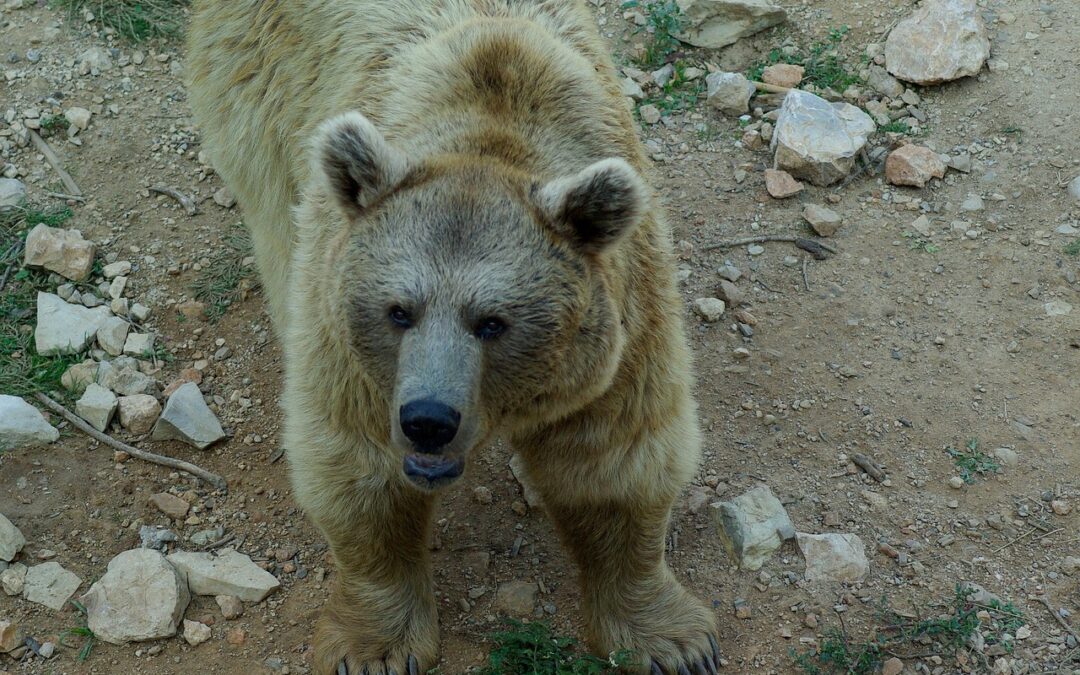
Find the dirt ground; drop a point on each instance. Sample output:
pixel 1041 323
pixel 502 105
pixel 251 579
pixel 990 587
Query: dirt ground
pixel 883 349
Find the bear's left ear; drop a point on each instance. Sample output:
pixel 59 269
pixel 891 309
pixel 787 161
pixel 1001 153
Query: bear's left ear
pixel 597 206
pixel 359 166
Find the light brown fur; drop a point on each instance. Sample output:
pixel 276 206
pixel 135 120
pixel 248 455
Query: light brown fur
pixel 486 100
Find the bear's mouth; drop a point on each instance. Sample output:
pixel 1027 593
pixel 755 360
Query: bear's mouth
pixel 431 471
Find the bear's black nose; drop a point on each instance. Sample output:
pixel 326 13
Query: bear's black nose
pixel 429 424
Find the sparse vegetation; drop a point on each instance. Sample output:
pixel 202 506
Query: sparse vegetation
pixel 895 127
pixel 1073 248
pixel 664 20
pixel 83 631
pixel 54 125
pixel 530 649
pixel 945 635
pixel 917 243
pixel 136 20
pixel 971 462
pixel 226 279
pixel 679 93
pixel 823 64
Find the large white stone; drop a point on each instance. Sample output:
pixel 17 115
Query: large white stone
pixel 833 557
pixel 12 193
pixel 97 406
pixel 140 597
pixel 752 526
pixel 50 584
pixel 729 92
pixel 23 425
pixel 11 539
pixel 62 251
pixel 942 40
pixel 719 23
pixel 816 140
pixel 187 418
pixel 63 328
pixel 230 573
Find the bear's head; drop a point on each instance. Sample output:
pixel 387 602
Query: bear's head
pixel 477 294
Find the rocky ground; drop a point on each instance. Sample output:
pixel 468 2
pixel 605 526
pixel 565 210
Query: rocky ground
pixel 892 428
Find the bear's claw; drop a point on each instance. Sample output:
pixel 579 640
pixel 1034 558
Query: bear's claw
pixel 708 665
pixel 413 666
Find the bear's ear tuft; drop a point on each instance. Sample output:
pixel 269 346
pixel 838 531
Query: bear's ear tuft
pixel 598 205
pixel 358 164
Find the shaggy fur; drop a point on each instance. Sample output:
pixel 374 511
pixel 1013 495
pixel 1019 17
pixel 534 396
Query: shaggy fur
pixel 459 158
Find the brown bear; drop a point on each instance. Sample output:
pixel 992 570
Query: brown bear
pixel 455 239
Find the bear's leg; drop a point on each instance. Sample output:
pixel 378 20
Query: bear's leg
pixel 615 532
pixel 381 615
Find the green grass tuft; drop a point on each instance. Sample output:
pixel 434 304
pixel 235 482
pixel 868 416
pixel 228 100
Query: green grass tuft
pixel 83 631
pixel 971 462
pixel 226 279
pixel 679 93
pixel 664 19
pixel 823 65
pixel 1072 248
pixel 530 649
pixel 135 20
pixel 54 125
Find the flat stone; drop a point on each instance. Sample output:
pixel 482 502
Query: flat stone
pixel 140 597
pixel 913 165
pixel 120 268
pixel 231 606
pixel 96 60
pixel 733 295
pixel 881 81
pixel 942 40
pixel 816 140
pixel 50 584
pixel 781 185
pixel 752 526
pixel 195 632
pixel 125 380
pixel 729 92
pixel 893 666
pixel 139 412
pixel 230 573
pixel 76 378
pixel 117 288
pixel 972 203
pixel 170 505
pixel 112 335
pixel 64 328
pixel 719 23
pixel 79 117
pixel 224 198
pixel 13 579
pixel 12 636
pixel 22 425
pixel 11 538
pixel 187 418
pixel 833 557
pixel 709 309
pixel 62 251
pixel 783 75
pixel 156 538
pixel 12 193
pixel 1057 308
pixel 824 220
pixel 138 344
pixel 97 406
pixel 649 114
pixel 516 598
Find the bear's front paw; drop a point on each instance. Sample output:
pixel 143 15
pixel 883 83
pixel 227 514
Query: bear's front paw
pixel 350 641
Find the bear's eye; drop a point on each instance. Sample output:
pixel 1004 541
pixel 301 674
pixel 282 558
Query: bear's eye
pixel 400 316
pixel 490 328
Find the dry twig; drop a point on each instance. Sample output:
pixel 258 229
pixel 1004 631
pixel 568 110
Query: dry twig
pixel 187 202
pixel 179 464
pixel 812 246
pixel 54 162
pixel 61 195
pixel 1059 619
pixel 805 278
pixel 869 466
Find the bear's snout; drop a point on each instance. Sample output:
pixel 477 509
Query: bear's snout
pixel 429 424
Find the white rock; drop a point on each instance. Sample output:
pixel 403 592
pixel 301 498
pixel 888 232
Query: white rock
pixel 12 193
pixel 97 406
pixel 719 23
pixel 13 579
pixel 729 92
pixel 631 89
pixel 1074 189
pixel 196 633
pixel 50 584
pixel 224 198
pixel 112 334
pixel 139 412
pixel 752 526
pixel 187 418
pixel 96 59
pixel 972 203
pixel 116 288
pixel 140 597
pixel 833 557
pixel 1057 308
pixel 824 220
pixel 63 328
pixel 709 309
pixel 23 425
pixel 120 268
pixel 942 40
pixel 138 344
pixel 230 573
pixel 11 539
pixel 79 117
pixel 62 251
pixel 816 140
pixel 140 312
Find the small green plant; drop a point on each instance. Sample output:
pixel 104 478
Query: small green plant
pixel 971 462
pixel 530 649
pixel 917 243
pixel 895 127
pixel 1072 248
pixel 1014 131
pixel 663 20
pixel 679 93
pixel 51 217
pixel 822 65
pixel 899 636
pixel 82 631
pixel 136 20
pixel 226 279
pixel 52 125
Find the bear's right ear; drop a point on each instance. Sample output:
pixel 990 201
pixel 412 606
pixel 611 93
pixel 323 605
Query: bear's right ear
pixel 358 164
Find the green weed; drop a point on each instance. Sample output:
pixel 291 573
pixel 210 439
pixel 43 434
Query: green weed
pixel 679 93
pixel 82 631
pixel 136 20
pixel 53 125
pixel 917 243
pixel 226 279
pixel 664 20
pixel 972 462
pixel 823 65
pixel 895 127
pixel 530 649
pixel 1072 248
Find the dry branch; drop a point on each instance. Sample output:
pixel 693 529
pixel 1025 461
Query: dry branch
pixel 54 162
pixel 187 202
pixel 869 466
